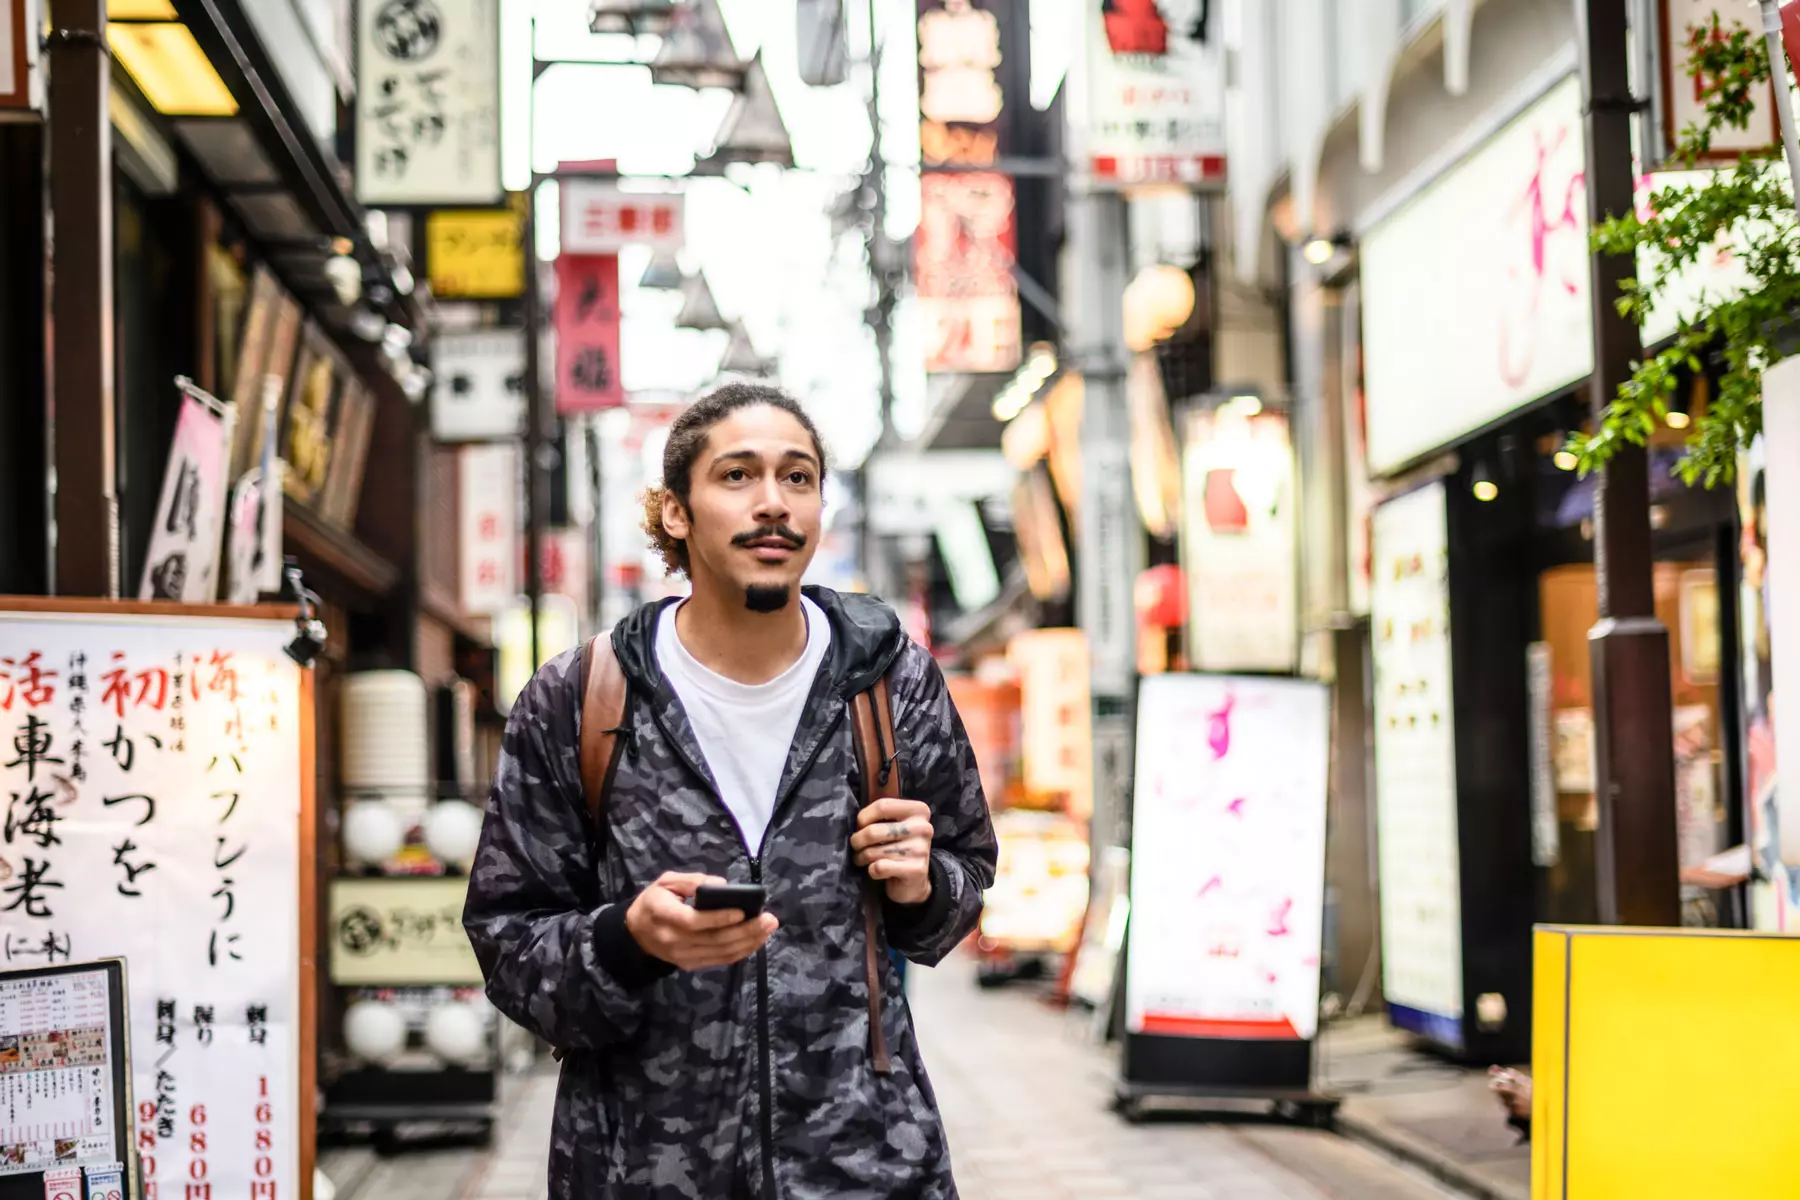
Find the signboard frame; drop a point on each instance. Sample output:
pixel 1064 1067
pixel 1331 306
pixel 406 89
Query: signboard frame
pixel 306 1011
pixel 22 98
pixel 29 1185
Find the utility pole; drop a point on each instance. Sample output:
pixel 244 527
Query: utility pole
pixel 537 483
pixel 1638 865
pixel 880 315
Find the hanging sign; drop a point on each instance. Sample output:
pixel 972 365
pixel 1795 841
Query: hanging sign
pixel 962 267
pixel 183 560
pixel 479 389
pixel 1155 110
pixel 598 218
pixel 587 333
pixel 488 538
pixel 1684 96
pixel 21 86
pixel 399 931
pixel 428 102
pixel 160 787
pixel 1239 543
pixel 960 97
pixel 253 546
pixel 478 254
pixel 1228 858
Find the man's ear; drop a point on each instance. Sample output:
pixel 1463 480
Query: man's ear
pixel 675 520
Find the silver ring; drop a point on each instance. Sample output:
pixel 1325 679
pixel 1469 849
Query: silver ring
pixel 897 831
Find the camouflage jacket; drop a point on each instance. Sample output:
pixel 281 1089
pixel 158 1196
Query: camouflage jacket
pixel 746 1081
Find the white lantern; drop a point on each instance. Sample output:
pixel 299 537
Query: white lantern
pixel 453 831
pixel 457 1033
pixel 373 832
pixel 375 1031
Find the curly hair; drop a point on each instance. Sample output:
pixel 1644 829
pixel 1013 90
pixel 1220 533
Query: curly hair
pixel 687 437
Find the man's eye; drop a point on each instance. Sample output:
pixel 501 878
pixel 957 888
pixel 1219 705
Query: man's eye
pixel 799 477
pixel 735 475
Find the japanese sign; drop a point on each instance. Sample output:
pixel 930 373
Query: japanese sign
pixel 153 779
pixel 598 218
pixel 962 260
pixel 476 255
pixel 428 102
pixel 1228 858
pixel 1684 95
pixel 479 394
pixel 488 540
pixel 62 1061
pixel 20 86
pixel 183 560
pixel 959 92
pixel 587 333
pixel 1155 89
pixel 390 932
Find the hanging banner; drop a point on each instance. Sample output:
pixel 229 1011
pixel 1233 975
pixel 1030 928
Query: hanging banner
pixel 479 391
pixel 587 333
pixel 1155 103
pixel 960 97
pixel 488 480
pixel 1055 715
pixel 20 81
pixel 183 559
pixel 1228 858
pixel 253 547
pixel 1239 542
pixel 1415 767
pixel 428 103
pixel 598 218
pixel 1684 96
pixel 478 254
pixel 159 793
pixel 962 268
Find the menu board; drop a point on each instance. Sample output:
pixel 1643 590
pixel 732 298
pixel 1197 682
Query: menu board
pixel 58 1104
pixel 155 784
pixel 1415 767
pixel 1228 858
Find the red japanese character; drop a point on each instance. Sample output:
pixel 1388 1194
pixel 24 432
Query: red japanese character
pixel 487 573
pixel 154 681
pixel 662 220
pixel 35 688
pixel 489 527
pixel 118 688
pixel 628 219
pixel 224 675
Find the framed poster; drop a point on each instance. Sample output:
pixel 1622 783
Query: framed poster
pixel 308 425
pixel 1228 858
pixel 65 1082
pixel 401 931
pixel 161 812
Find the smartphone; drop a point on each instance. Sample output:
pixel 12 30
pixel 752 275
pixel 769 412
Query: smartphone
pixel 747 898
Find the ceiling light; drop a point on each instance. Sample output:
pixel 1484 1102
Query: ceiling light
pixel 1484 487
pixel 171 70
pixel 141 10
pixel 1678 419
pixel 1565 460
pixel 1248 404
pixel 1319 250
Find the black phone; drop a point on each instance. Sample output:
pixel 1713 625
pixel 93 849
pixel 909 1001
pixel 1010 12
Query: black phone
pixel 747 898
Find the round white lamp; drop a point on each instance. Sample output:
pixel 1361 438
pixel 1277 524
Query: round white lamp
pixel 375 1031
pixel 373 832
pixel 457 1033
pixel 453 831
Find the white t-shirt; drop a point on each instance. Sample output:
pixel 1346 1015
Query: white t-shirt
pixel 745 730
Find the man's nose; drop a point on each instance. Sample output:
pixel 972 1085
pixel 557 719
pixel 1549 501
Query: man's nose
pixel 771 501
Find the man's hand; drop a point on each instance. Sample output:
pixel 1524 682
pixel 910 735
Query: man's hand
pixel 893 840
pixel 667 927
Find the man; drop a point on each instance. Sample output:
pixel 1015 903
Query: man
pixel 709 1057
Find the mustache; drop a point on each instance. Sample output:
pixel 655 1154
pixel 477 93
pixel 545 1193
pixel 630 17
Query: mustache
pixel 795 539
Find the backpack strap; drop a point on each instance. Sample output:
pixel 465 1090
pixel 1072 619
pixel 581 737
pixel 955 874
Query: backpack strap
pixel 602 719
pixel 873 714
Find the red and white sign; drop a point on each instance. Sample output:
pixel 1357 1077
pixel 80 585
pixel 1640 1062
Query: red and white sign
pixel 587 333
pixel 598 218
pixel 489 510
pixel 19 88
pixel 962 259
pixel 1155 88
pixel 1684 96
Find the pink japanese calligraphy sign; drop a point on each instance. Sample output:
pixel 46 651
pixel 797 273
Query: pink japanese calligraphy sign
pixel 587 333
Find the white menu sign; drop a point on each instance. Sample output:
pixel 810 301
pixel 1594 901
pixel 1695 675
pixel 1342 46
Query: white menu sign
pixel 428 102
pixel 57 1108
pixel 1228 857
pixel 155 795
pixel 1415 767
pixel 488 510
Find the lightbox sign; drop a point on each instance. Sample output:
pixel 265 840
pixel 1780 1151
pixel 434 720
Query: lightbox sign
pixel 964 250
pixel 1498 316
pixel 1155 93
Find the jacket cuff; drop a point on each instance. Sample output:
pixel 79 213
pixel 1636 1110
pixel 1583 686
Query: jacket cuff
pixel 618 953
pixel 930 913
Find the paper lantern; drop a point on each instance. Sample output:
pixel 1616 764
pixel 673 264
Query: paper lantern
pixel 375 1031
pixel 457 1033
pixel 453 831
pixel 373 832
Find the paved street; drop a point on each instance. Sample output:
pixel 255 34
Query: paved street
pixel 1024 1095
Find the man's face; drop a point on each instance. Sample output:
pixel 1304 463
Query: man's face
pixel 754 508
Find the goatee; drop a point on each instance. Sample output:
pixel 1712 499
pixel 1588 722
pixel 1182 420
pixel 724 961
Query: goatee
pixel 767 597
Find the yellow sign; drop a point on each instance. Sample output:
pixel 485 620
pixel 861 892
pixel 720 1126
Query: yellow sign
pixel 400 931
pixel 476 254
pixel 1663 1062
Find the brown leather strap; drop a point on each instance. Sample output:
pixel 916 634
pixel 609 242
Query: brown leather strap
pixel 602 716
pixel 873 715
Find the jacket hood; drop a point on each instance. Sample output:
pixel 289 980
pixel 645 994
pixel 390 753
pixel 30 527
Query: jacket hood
pixel 866 638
